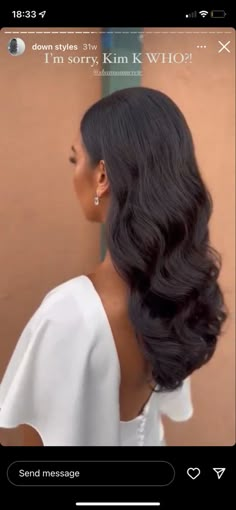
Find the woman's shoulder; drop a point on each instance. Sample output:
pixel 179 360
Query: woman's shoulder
pixel 65 302
pixel 65 327
pixel 61 353
pixel 59 324
pixel 69 289
pixel 66 317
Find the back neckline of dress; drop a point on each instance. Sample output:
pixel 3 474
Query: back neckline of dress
pixel 103 311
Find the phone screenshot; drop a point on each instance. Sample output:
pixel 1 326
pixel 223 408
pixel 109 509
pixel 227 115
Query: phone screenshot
pixel 117 260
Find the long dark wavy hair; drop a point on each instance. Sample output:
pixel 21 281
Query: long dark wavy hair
pixel 157 228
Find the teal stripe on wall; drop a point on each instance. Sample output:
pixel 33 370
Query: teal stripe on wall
pixel 117 56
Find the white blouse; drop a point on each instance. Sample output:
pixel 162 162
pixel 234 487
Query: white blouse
pixel 63 378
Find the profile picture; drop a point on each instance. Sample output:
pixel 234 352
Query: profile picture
pixel 16 46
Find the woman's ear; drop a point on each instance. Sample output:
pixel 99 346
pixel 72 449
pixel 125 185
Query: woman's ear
pixel 102 179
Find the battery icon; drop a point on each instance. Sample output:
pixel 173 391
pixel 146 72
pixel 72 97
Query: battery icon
pixel 218 14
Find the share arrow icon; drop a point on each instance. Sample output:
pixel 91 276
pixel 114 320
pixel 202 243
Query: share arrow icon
pixel 219 472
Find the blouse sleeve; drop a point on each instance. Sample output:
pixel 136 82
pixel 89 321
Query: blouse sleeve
pixel 177 405
pixel 34 387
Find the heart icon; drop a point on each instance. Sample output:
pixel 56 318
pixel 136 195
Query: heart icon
pixel 193 472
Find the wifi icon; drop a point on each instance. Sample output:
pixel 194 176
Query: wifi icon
pixel 203 13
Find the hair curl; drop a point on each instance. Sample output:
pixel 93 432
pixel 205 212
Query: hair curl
pixel 157 228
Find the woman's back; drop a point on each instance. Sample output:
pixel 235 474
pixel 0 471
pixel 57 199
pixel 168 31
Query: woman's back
pixel 135 385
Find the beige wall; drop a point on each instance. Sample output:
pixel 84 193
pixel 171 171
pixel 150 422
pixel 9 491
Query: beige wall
pixel 205 91
pixel 45 239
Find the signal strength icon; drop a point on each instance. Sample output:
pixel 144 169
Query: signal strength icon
pixel 191 15
pixel 203 13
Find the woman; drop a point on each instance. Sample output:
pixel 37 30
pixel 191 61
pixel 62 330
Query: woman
pixel 106 354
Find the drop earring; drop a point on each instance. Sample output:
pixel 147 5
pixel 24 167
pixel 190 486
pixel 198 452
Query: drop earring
pixel 96 200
